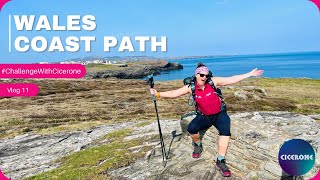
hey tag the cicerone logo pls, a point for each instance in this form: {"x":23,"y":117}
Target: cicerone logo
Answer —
{"x":296,"y":157}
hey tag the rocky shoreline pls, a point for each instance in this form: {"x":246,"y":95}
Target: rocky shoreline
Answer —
{"x":135,"y":72}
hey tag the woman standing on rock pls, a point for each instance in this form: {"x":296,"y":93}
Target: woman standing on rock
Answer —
{"x":209,"y":109}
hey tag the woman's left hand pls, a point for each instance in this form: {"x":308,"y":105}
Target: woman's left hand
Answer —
{"x":256,"y":72}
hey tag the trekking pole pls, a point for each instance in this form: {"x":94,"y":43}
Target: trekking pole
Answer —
{"x":164,"y":156}
{"x":174,"y":134}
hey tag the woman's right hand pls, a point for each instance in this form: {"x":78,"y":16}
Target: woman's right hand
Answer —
{"x":153,"y":91}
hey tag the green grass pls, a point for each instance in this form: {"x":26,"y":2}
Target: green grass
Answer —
{"x":67,"y":105}
{"x":116,"y":135}
{"x":304,"y":93}
{"x":143,"y":124}
{"x":94,"y":163}
{"x":101,"y":67}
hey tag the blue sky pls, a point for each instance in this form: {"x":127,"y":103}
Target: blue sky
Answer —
{"x":215,"y":27}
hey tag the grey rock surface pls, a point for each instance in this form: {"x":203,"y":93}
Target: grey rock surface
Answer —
{"x":248,"y":92}
{"x":30,"y":154}
{"x":315,"y":116}
{"x":253,"y":151}
{"x":240,"y":95}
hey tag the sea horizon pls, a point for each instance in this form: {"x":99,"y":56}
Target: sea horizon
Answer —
{"x":276,"y":65}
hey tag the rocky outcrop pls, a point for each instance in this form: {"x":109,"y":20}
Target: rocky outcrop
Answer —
{"x":255,"y":142}
{"x":136,"y":72}
{"x":31,"y":154}
{"x":248,"y":92}
{"x":253,"y":151}
{"x":240,"y":95}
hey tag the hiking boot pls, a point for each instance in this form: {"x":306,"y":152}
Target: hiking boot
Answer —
{"x":223,"y":168}
{"x":197,"y":150}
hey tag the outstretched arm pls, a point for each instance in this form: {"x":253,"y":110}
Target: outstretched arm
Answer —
{"x":171,"y":94}
{"x":223,"y":81}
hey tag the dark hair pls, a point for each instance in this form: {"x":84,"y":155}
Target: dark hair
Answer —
{"x":200,"y":64}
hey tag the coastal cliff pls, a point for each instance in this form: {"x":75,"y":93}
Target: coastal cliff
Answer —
{"x":134,"y":71}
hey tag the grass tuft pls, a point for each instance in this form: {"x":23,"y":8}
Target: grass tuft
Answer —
{"x":67,"y":105}
{"x":94,"y":163}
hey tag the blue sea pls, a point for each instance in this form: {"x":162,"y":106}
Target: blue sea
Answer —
{"x":285,"y":65}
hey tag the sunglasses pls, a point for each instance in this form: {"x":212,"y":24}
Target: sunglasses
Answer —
{"x":202,"y":75}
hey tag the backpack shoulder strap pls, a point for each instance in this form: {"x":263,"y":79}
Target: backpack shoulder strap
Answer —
{"x":190,"y":81}
{"x":193,"y":88}
{"x":217,"y":90}
{"x":212,"y":84}
{"x":193,"y":93}
{"x":219,"y":93}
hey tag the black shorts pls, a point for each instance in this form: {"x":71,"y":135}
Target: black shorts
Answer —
{"x":201,"y":122}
